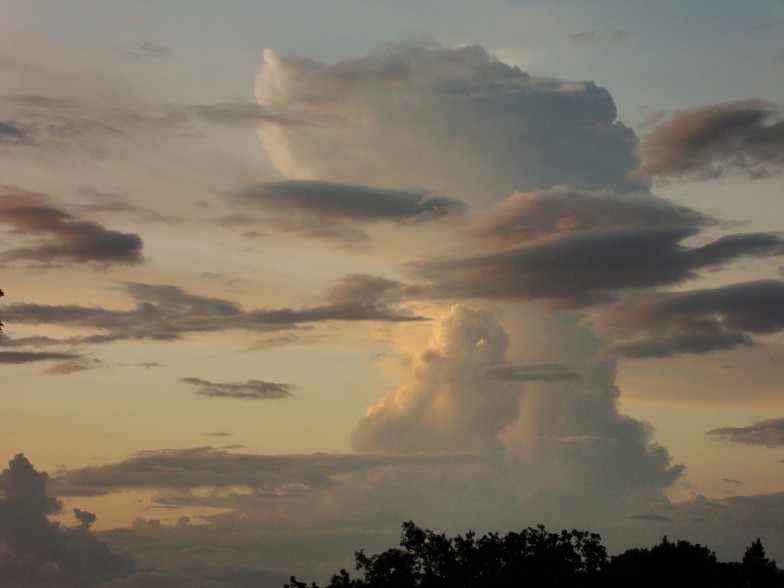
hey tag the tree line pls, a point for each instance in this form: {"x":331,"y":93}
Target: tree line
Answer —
{"x":537,"y":558}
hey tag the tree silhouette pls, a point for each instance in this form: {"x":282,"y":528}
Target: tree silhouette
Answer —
{"x":1,"y":322}
{"x":756,"y":570}
{"x":533,"y":557}
{"x":536,"y":558}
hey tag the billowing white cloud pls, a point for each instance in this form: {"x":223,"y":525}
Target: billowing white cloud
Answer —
{"x":455,"y":120}
{"x":450,"y":405}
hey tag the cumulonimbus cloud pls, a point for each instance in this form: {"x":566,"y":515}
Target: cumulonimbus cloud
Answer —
{"x":739,"y":137}
{"x":60,"y":237}
{"x":456,"y":120}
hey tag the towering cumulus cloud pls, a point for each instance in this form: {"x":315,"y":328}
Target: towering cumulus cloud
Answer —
{"x":37,"y":552}
{"x":455,"y":120}
{"x":553,"y":433}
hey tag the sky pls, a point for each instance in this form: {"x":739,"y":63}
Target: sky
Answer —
{"x":280,"y":276}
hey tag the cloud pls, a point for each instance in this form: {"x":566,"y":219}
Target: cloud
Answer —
{"x":449,"y":405}
{"x":13,"y":133}
{"x":769,"y":433}
{"x":588,"y":266}
{"x":331,"y":211}
{"x":453,"y":449}
{"x":743,"y":137}
{"x":535,"y":372}
{"x":556,"y":440}
{"x":37,"y":552}
{"x":15,"y":357}
{"x":597,"y":37}
{"x":455,"y":120}
{"x":68,"y":367}
{"x":694,"y":321}
{"x":349,"y":202}
{"x":60,"y":237}
{"x":656,"y":518}
{"x":250,"y":390}
{"x":207,"y":467}
{"x":166,"y":312}
{"x":527,"y":216}
{"x":144,"y":50}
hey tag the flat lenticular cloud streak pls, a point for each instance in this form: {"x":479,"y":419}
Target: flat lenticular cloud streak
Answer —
{"x":696,"y":321}
{"x":456,"y":120}
{"x":250,"y":390}
{"x":527,"y":216}
{"x":165,"y":312}
{"x":343,"y":201}
{"x":60,"y":237}
{"x":15,"y":357}
{"x":769,"y":433}
{"x":588,"y":266}
{"x":740,"y":137}
{"x":332,"y":211}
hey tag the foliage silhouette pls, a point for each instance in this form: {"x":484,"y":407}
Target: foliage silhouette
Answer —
{"x":536,"y":558}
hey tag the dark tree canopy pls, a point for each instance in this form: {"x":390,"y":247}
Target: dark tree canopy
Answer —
{"x":536,"y":558}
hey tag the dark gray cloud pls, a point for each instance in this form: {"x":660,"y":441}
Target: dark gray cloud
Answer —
{"x":145,"y":50}
{"x":207,"y":467}
{"x":739,"y":137}
{"x":61,"y":237}
{"x":454,"y":119}
{"x":239,"y":112}
{"x":166,"y":312}
{"x":328,"y":210}
{"x":695,"y":321}
{"x":36,"y":101}
{"x":598,"y":37}
{"x":527,"y":216}
{"x":13,"y":357}
{"x":345,"y":201}
{"x":250,"y":390}
{"x":651,"y":517}
{"x":37,"y":552}
{"x":532,"y":372}
{"x":13,"y":133}
{"x":769,"y":433}
{"x":588,"y":266}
